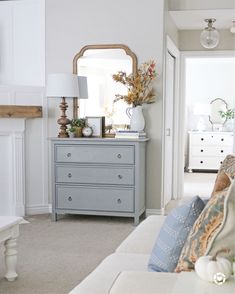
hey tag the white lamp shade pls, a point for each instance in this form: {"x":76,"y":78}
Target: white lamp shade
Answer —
{"x":62,"y":85}
{"x":202,"y":109}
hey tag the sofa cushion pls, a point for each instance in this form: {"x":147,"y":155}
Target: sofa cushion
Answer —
{"x":173,"y":234}
{"x":102,"y":278}
{"x":167,"y":283}
{"x":144,"y":283}
{"x":142,"y":239}
{"x":202,"y":232}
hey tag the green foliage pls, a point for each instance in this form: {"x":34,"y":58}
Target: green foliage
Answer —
{"x":229,"y":114}
{"x":72,"y":130}
{"x":78,"y":122}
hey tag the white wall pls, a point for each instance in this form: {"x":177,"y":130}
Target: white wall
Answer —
{"x":22,"y":46}
{"x":22,"y":81}
{"x":71,"y":24}
{"x":170,"y":27}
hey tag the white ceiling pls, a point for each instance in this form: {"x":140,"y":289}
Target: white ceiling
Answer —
{"x":194,"y":19}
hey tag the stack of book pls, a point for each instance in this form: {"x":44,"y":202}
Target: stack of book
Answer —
{"x":128,"y":134}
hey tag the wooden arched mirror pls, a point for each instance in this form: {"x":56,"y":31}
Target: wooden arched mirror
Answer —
{"x":98,"y":63}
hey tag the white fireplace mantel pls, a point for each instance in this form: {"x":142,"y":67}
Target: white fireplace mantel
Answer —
{"x":12,"y":171}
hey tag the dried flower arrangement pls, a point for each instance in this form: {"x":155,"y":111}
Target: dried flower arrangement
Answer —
{"x":139,"y":85}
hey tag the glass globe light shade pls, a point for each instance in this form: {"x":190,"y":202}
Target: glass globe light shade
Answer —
{"x":209,"y":37}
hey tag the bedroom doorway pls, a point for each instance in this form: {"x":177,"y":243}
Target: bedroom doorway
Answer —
{"x":207,"y":79}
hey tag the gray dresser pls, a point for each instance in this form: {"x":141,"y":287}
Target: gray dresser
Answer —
{"x":98,"y":176}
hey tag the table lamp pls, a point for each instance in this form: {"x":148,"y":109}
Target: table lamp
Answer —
{"x":63,"y":85}
{"x":201,"y":109}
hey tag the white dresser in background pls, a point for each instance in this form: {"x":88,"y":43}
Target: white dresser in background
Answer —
{"x":207,"y":150}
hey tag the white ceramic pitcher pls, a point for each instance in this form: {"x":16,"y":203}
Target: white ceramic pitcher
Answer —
{"x":137,"y":122}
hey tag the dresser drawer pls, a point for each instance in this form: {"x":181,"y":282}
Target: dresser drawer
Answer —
{"x":95,"y":154}
{"x":95,"y":198}
{"x":212,"y":139}
{"x":211,"y":150}
{"x":95,"y":175}
{"x":205,"y":163}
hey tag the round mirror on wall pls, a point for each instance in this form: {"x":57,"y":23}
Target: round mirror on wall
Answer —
{"x":98,"y":63}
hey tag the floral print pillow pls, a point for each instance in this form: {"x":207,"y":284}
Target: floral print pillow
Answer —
{"x":202,"y":232}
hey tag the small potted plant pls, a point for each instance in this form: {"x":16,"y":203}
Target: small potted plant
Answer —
{"x":77,"y":124}
{"x":71,"y":131}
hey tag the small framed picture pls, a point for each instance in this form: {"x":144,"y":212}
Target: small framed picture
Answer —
{"x":97,"y":123}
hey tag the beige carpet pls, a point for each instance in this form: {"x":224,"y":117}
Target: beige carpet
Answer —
{"x":53,"y":257}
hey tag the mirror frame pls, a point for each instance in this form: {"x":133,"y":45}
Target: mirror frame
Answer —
{"x":226,"y":105}
{"x":100,"y":46}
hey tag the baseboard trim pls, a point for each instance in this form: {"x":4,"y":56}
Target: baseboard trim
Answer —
{"x":41,"y":209}
{"x":153,"y":212}
{"x":38,"y":209}
{"x":19,"y":210}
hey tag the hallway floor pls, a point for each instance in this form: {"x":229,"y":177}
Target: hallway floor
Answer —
{"x":195,"y":183}
{"x":200,"y":184}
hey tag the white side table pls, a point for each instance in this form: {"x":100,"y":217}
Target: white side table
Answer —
{"x":9,"y":231}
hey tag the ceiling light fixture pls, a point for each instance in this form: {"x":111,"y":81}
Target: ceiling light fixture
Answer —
{"x":209,"y":37}
{"x":232,"y":29}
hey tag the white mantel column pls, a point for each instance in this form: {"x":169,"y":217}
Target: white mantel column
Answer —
{"x":12,"y":166}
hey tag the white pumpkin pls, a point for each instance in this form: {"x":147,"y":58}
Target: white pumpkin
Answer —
{"x":207,"y":266}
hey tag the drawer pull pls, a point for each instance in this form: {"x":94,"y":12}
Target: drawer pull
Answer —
{"x":69,"y":154}
{"x":70,"y":198}
{"x":201,"y":161}
{"x":202,"y":139}
{"x":119,"y":201}
{"x":222,"y":139}
{"x":201,"y":150}
{"x":221,"y":151}
{"x":220,"y":162}
{"x":120,"y":177}
{"x":69,"y":175}
{"x":119,"y":156}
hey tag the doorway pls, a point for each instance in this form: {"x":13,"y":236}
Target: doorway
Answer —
{"x":205,"y":77}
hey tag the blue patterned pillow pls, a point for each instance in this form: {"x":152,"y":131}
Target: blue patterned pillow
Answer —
{"x":173,"y":234}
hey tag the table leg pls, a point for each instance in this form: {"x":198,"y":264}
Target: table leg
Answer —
{"x":10,"y":259}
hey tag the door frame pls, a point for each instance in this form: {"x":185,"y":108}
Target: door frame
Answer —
{"x":181,"y":137}
{"x":174,"y":51}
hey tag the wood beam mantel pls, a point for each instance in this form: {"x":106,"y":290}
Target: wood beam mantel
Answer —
{"x":20,"y":111}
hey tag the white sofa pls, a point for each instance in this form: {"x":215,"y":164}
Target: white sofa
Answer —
{"x":125,"y":271}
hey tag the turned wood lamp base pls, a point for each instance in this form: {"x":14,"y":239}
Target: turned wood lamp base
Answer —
{"x":63,"y":121}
